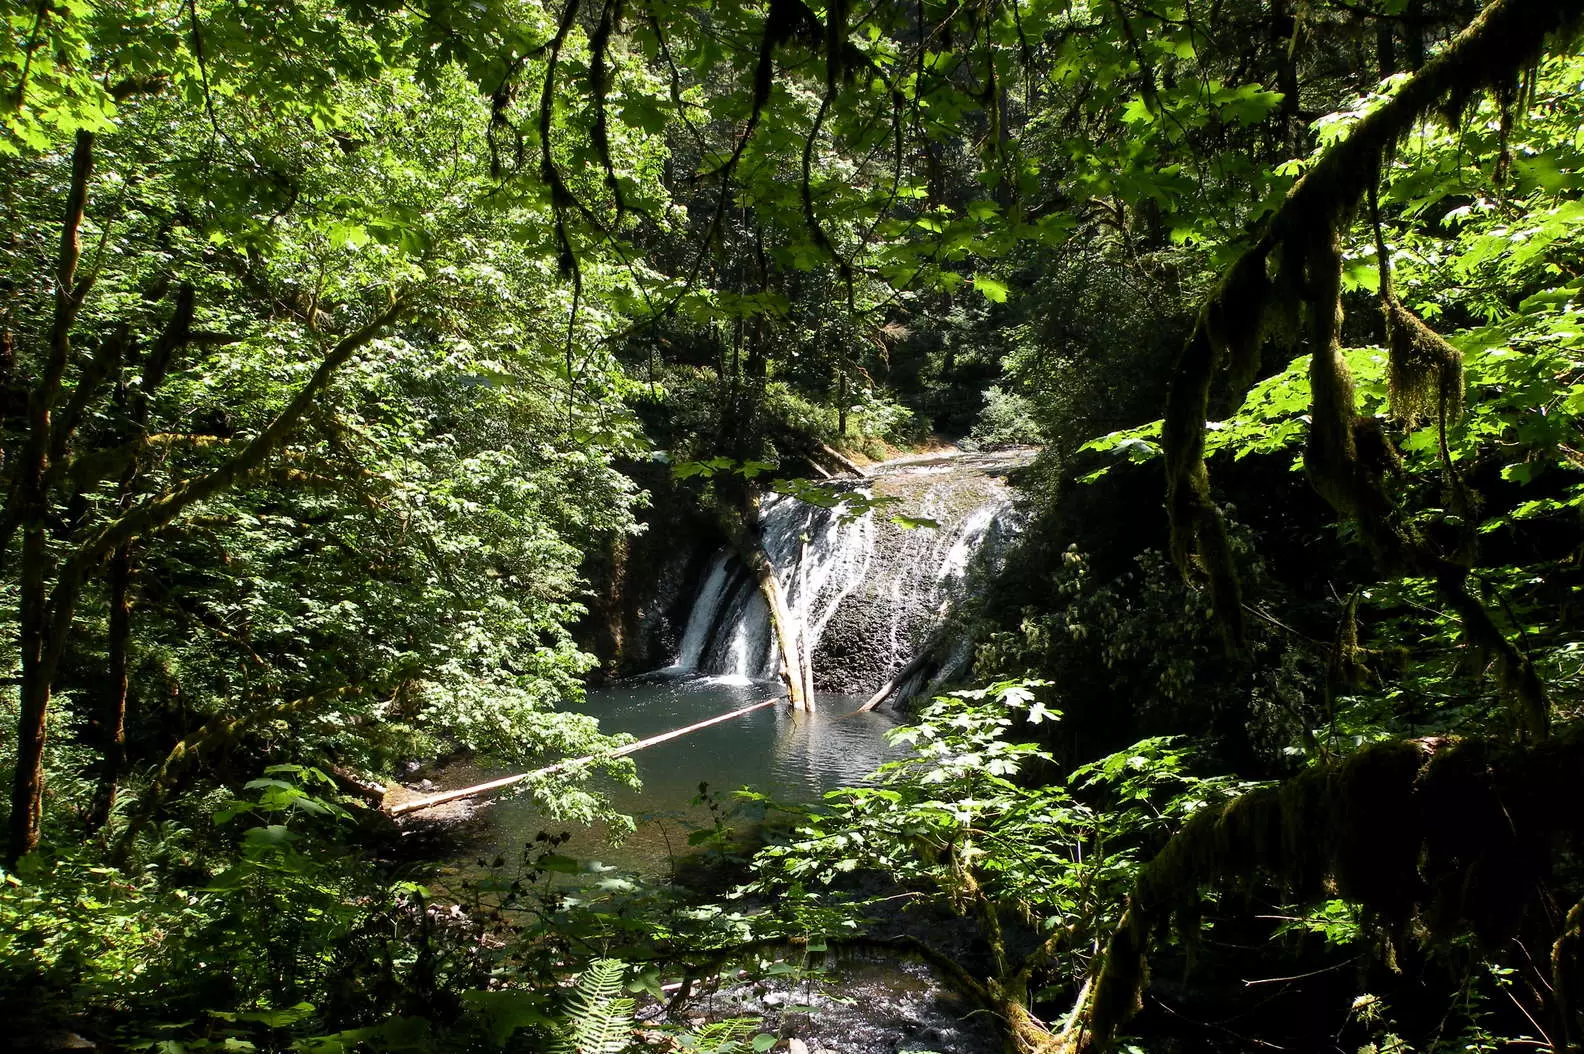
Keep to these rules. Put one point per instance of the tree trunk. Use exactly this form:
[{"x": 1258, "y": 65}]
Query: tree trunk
[
  {"x": 782, "y": 625},
  {"x": 841, "y": 395},
  {"x": 135, "y": 406},
  {"x": 27, "y": 786},
  {"x": 740, "y": 523},
  {"x": 917, "y": 663},
  {"x": 1284, "y": 39},
  {"x": 46, "y": 614},
  {"x": 27, "y": 789},
  {"x": 1385, "y": 49},
  {"x": 1414, "y": 30}
]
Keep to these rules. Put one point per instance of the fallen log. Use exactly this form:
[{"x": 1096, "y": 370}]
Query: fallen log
[
  {"x": 917, "y": 663},
  {"x": 441, "y": 798},
  {"x": 843, "y": 460},
  {"x": 747, "y": 540}
]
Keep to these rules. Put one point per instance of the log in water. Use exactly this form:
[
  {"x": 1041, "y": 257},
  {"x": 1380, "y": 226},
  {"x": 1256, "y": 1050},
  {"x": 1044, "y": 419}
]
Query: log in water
[{"x": 486, "y": 787}]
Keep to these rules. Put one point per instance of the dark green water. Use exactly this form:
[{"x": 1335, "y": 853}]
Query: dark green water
[{"x": 791, "y": 757}]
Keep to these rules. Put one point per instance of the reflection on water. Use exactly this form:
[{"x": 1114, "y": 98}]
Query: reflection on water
[{"x": 791, "y": 757}]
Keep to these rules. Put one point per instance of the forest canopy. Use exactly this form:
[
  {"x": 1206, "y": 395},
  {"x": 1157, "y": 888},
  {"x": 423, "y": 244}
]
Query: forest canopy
[{"x": 358, "y": 360}]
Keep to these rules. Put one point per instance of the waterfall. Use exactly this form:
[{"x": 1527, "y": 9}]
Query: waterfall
[
  {"x": 865, "y": 593},
  {"x": 706, "y": 608}
]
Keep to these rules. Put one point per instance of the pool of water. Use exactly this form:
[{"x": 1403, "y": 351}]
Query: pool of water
[
  {"x": 856, "y": 1005},
  {"x": 792, "y": 757}
]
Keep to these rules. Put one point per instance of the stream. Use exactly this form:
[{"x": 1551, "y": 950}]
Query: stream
[{"x": 857, "y": 1005}]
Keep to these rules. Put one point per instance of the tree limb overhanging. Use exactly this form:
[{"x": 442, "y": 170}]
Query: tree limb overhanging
[
  {"x": 1452, "y": 834},
  {"x": 1446, "y": 834},
  {"x": 1288, "y": 284}
]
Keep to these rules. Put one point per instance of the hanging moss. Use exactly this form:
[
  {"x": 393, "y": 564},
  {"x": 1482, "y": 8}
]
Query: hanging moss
[
  {"x": 1519, "y": 681},
  {"x": 1375, "y": 827},
  {"x": 1349, "y": 460},
  {"x": 1345, "y": 666},
  {"x": 1426, "y": 372},
  {"x": 1567, "y": 975},
  {"x": 1449, "y": 836}
]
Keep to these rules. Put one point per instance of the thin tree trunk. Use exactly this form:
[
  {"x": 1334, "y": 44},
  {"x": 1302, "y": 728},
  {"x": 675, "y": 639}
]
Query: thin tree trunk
[
  {"x": 429, "y": 802},
  {"x": 1413, "y": 28},
  {"x": 112, "y": 720},
  {"x": 1385, "y": 49},
  {"x": 27, "y": 788},
  {"x": 1284, "y": 40},
  {"x": 782, "y": 626},
  {"x": 841, "y": 394},
  {"x": 917, "y": 663},
  {"x": 842, "y": 460},
  {"x": 46, "y": 615},
  {"x": 135, "y": 406}
]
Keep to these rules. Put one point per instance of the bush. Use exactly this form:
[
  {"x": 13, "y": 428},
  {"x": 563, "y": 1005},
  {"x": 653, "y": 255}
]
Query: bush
[{"x": 1006, "y": 420}]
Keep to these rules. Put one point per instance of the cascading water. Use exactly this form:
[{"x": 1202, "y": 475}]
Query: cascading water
[{"x": 865, "y": 594}]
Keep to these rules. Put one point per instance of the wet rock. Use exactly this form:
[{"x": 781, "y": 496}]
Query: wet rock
[
  {"x": 863, "y": 1006},
  {"x": 870, "y": 592},
  {"x": 52, "y": 1041}
]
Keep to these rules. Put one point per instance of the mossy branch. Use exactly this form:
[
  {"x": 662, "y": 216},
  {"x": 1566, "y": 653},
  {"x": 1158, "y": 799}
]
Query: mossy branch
[
  {"x": 216, "y": 735},
  {"x": 1292, "y": 272},
  {"x": 162, "y": 509},
  {"x": 1452, "y": 835}
]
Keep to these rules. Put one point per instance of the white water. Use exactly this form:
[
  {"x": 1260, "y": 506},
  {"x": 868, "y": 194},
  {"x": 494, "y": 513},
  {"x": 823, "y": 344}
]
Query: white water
[
  {"x": 704, "y": 608},
  {"x": 878, "y": 590}
]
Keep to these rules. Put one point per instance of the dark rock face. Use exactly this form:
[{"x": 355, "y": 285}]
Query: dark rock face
[
  {"x": 642, "y": 586},
  {"x": 916, "y": 576}
]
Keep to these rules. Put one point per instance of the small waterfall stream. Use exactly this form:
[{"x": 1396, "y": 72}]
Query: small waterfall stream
[{"x": 866, "y": 593}]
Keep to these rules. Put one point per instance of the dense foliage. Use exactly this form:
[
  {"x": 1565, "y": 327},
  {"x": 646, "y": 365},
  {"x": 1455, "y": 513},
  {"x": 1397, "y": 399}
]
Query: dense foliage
[{"x": 359, "y": 359}]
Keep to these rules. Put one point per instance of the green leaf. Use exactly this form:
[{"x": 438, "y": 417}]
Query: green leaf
[
  {"x": 504, "y": 1012},
  {"x": 993, "y": 290},
  {"x": 276, "y": 1018}
]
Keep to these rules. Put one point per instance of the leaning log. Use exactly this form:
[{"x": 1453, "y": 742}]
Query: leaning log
[
  {"x": 917, "y": 663},
  {"x": 843, "y": 460},
  {"x": 430, "y": 801},
  {"x": 784, "y": 628},
  {"x": 746, "y": 540}
]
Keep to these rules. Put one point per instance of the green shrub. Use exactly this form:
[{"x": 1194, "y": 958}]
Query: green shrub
[{"x": 1008, "y": 419}]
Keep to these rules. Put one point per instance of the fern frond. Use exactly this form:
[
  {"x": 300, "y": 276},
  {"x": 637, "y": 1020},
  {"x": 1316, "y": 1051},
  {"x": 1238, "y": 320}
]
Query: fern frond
[
  {"x": 597, "y": 1019},
  {"x": 723, "y": 1037}
]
